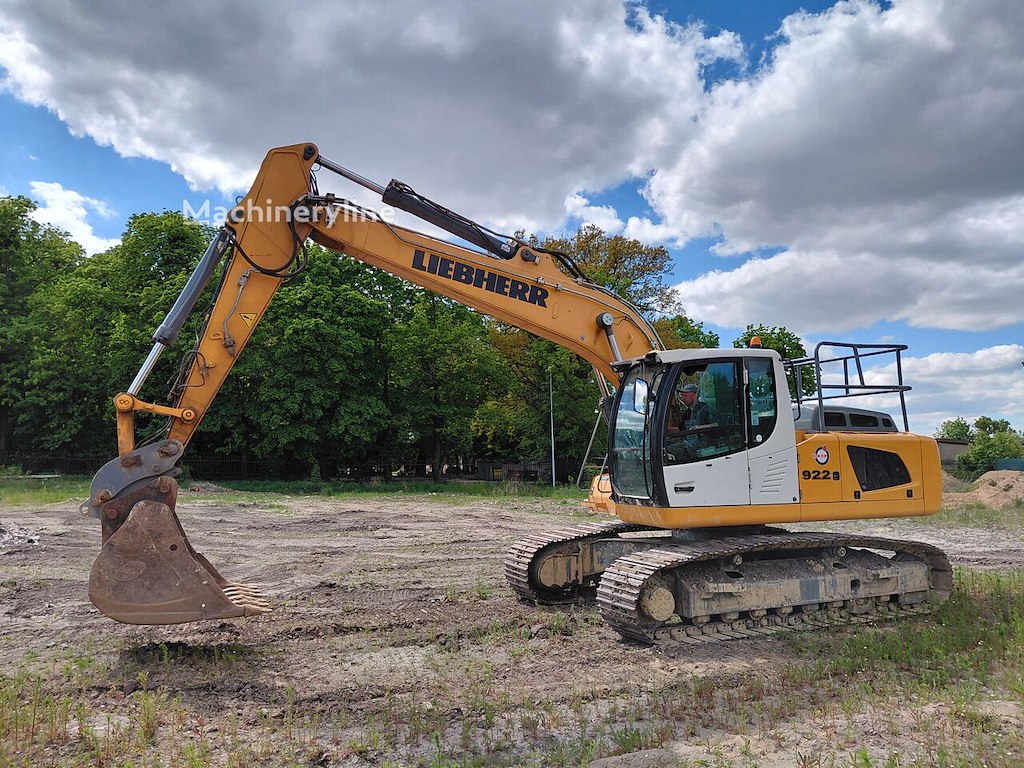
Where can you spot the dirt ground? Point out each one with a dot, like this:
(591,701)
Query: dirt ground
(393,640)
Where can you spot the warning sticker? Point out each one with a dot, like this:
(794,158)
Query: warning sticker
(249,318)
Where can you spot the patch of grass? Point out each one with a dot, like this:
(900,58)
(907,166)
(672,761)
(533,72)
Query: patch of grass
(29,490)
(633,738)
(969,649)
(150,705)
(959,485)
(969,637)
(977,515)
(478,592)
(459,489)
(262,502)
(22,490)
(39,727)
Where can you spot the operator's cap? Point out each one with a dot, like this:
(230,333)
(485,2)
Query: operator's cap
(689,388)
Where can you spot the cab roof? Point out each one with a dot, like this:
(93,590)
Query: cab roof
(670,356)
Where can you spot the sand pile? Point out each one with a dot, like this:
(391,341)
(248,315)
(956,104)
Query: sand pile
(999,488)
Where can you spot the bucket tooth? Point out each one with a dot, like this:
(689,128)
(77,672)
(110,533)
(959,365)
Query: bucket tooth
(148,573)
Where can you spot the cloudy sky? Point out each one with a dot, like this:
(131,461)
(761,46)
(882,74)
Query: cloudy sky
(849,170)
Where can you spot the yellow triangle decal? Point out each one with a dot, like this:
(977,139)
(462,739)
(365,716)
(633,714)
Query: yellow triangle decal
(249,318)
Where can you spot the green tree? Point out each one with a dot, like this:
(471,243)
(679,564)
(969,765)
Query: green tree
(502,422)
(517,424)
(782,340)
(445,369)
(986,448)
(32,256)
(576,399)
(679,332)
(955,429)
(626,266)
(397,299)
(99,318)
(990,439)
(991,427)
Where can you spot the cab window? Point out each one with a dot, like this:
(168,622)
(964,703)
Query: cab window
(630,455)
(761,388)
(705,415)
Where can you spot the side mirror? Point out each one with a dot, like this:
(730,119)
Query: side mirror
(640,396)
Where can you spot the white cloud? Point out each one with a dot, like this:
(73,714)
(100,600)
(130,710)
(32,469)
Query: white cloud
(829,291)
(501,110)
(880,150)
(68,210)
(603,216)
(873,160)
(989,382)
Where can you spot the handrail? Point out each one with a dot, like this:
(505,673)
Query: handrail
(853,382)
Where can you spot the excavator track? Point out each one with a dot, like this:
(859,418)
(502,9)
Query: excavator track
(657,581)
(523,556)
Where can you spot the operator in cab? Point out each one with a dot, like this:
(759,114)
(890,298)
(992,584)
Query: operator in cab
(688,410)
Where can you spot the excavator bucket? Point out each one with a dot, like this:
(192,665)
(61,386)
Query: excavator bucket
(148,573)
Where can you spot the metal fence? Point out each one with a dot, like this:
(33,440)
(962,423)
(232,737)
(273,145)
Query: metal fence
(15,462)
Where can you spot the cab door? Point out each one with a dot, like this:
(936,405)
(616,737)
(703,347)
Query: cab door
(705,464)
(630,449)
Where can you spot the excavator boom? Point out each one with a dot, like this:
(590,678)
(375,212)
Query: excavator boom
(147,571)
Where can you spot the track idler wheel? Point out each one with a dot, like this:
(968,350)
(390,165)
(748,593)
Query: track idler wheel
(148,573)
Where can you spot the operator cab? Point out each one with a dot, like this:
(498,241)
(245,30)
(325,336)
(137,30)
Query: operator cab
(703,428)
(735,444)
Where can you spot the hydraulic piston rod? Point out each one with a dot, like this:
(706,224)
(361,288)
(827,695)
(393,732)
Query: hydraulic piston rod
(167,333)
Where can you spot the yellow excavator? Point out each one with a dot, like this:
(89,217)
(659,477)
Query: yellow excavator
(708,450)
